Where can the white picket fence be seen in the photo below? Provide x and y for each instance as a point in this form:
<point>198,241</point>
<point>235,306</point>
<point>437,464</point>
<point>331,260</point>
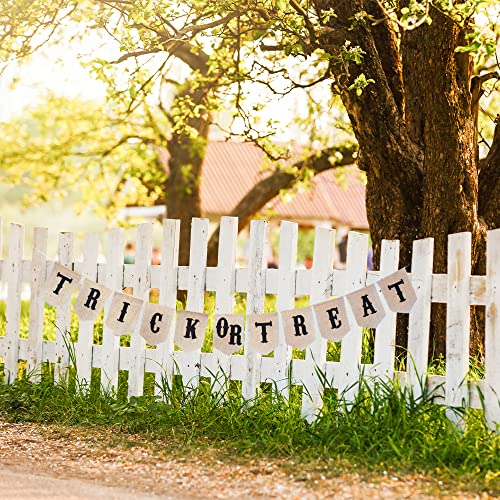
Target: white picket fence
<point>458,289</point>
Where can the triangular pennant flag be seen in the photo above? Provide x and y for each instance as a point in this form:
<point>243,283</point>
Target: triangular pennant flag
<point>366,306</point>
<point>156,323</point>
<point>123,313</point>
<point>60,285</point>
<point>298,326</point>
<point>398,291</point>
<point>229,332</point>
<point>190,330</point>
<point>90,300</point>
<point>263,332</point>
<point>332,319</point>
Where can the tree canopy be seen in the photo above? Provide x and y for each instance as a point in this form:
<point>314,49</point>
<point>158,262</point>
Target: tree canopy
<point>412,75</point>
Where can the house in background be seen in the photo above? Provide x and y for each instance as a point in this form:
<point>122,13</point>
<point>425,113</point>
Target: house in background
<point>231,169</point>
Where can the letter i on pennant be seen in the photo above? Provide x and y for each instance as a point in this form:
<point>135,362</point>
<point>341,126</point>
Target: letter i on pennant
<point>90,300</point>
<point>60,285</point>
<point>123,313</point>
<point>190,330</point>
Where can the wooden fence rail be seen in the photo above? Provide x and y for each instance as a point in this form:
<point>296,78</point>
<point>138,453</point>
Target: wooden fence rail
<point>457,289</point>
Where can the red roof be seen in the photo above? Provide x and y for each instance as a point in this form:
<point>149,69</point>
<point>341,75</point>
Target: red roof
<point>231,169</point>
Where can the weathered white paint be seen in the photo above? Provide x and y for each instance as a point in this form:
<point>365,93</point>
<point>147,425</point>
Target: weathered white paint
<point>492,341</point>
<point>137,359</point>
<point>321,286</point>
<point>37,303</point>
<point>457,289</point>
<point>86,328</point>
<point>112,277</point>
<point>13,278</point>
<point>419,318</point>
<point>224,298</point>
<point>256,292</point>
<point>385,335</point>
<point>458,323</point>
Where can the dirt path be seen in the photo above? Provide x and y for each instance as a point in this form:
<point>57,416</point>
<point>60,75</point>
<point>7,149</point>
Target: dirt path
<point>95,457</point>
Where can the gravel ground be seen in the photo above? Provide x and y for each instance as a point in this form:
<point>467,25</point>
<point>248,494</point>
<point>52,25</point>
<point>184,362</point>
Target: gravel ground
<point>86,459</point>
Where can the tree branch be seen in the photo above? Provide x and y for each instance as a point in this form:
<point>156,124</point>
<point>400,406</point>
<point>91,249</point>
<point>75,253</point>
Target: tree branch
<point>270,187</point>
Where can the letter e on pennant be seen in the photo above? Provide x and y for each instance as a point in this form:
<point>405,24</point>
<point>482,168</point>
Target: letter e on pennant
<point>332,319</point>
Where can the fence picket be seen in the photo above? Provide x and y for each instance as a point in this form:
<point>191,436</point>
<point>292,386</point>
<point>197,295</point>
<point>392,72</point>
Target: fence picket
<point>350,355</point>
<point>113,279</point>
<point>385,336</point>
<point>285,300</point>
<point>255,304</point>
<point>142,285</point>
<point>458,289</point>
<point>168,295</point>
<point>14,277</point>
<point>419,318</point>
<point>190,369</point>
<point>38,274</point>
<point>321,289</point>
<point>492,340</point>
<point>224,293</point>
<point>458,323</point>
<point>86,328</point>
<point>63,312</point>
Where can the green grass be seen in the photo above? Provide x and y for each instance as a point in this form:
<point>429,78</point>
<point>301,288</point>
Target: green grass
<point>386,429</point>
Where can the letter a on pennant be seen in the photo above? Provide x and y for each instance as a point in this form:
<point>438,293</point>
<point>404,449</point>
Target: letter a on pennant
<point>90,300</point>
<point>398,291</point>
<point>229,332</point>
<point>332,320</point>
<point>263,333</point>
<point>366,306</point>
<point>60,285</point>
<point>190,330</point>
<point>156,323</point>
<point>298,326</point>
<point>123,313</point>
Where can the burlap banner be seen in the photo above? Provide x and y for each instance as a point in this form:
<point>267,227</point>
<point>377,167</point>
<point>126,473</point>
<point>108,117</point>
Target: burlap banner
<point>263,332</point>
<point>123,313</point>
<point>332,319</point>
<point>91,300</point>
<point>190,330</point>
<point>229,332</point>
<point>299,326</point>
<point>60,285</point>
<point>157,322</point>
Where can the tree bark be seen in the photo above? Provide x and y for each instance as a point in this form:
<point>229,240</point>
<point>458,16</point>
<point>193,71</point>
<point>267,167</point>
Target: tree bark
<point>418,138</point>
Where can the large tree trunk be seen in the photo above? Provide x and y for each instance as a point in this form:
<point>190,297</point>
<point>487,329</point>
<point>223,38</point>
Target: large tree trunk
<point>419,146</point>
<point>182,187</point>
